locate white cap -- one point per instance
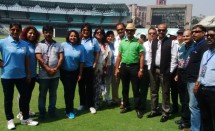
(173, 33)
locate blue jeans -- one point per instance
(45, 85)
(193, 105)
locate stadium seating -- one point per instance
(110, 20)
(38, 17)
(93, 19)
(76, 19)
(57, 18)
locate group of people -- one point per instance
(97, 61)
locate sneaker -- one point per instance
(80, 108)
(29, 122)
(71, 115)
(92, 110)
(19, 116)
(32, 113)
(10, 124)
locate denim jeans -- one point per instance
(193, 105)
(45, 85)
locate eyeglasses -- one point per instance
(196, 31)
(163, 30)
(130, 30)
(120, 29)
(210, 35)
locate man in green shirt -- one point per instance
(132, 62)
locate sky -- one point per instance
(204, 7)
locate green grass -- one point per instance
(106, 119)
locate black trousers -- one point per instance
(129, 73)
(174, 91)
(206, 100)
(86, 91)
(8, 89)
(183, 97)
(69, 80)
(31, 86)
(144, 86)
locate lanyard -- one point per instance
(209, 58)
(194, 48)
(47, 51)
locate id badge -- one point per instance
(204, 68)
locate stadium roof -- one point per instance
(67, 6)
(208, 21)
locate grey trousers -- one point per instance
(157, 79)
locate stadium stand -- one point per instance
(62, 15)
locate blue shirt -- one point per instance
(13, 55)
(32, 59)
(208, 78)
(73, 55)
(112, 53)
(91, 46)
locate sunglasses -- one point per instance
(130, 30)
(85, 30)
(196, 31)
(163, 30)
(98, 32)
(120, 29)
(210, 35)
(152, 33)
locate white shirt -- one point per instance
(147, 53)
(174, 53)
(116, 47)
(158, 54)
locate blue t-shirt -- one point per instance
(13, 55)
(32, 59)
(91, 46)
(73, 55)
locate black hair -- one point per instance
(200, 27)
(89, 28)
(103, 33)
(77, 35)
(48, 28)
(15, 24)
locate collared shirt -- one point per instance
(147, 53)
(158, 54)
(74, 54)
(208, 61)
(91, 46)
(32, 59)
(183, 55)
(130, 50)
(174, 53)
(13, 55)
(52, 52)
(116, 47)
